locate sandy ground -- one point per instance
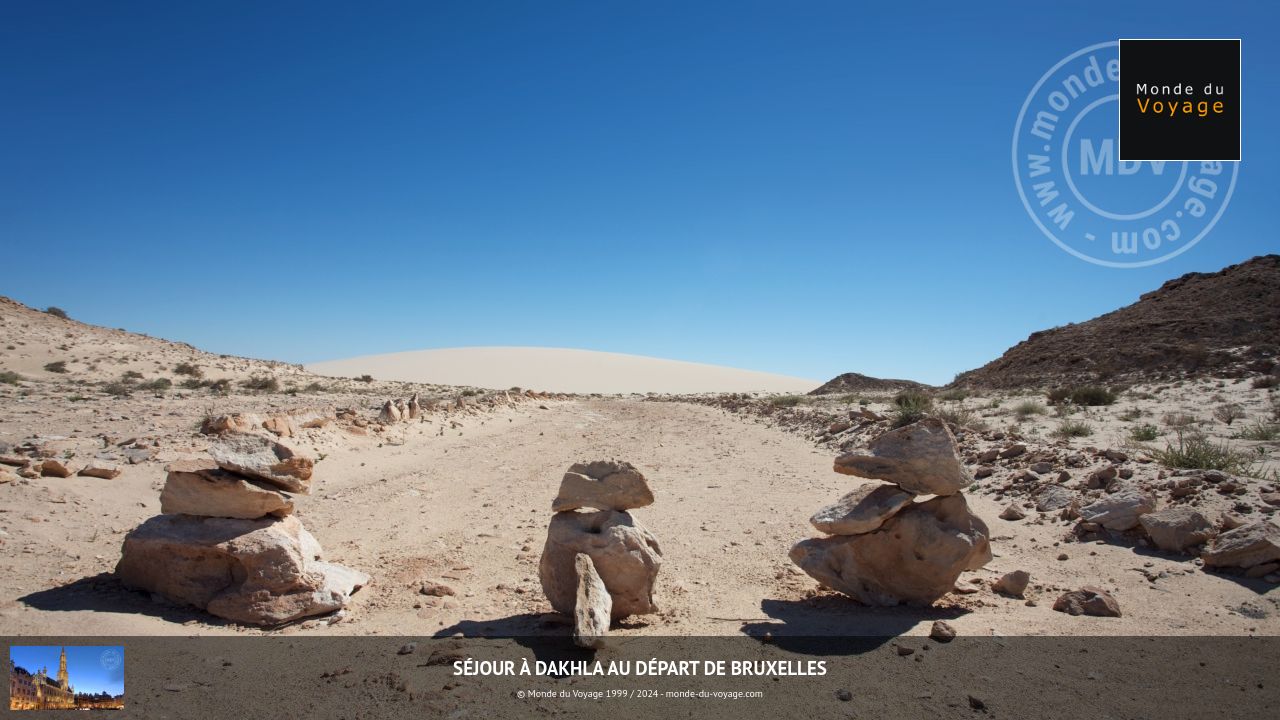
(560, 370)
(469, 508)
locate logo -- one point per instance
(1067, 167)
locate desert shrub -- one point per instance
(188, 369)
(57, 312)
(193, 384)
(1260, 430)
(469, 392)
(365, 378)
(994, 404)
(58, 366)
(1057, 396)
(131, 375)
(116, 388)
(1264, 382)
(1131, 414)
(221, 386)
(911, 406)
(315, 387)
(1195, 451)
(1228, 413)
(157, 385)
(1027, 408)
(786, 400)
(1073, 429)
(9, 377)
(261, 383)
(1145, 432)
(1092, 395)
(961, 416)
(954, 394)
(1179, 420)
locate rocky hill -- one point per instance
(857, 382)
(1223, 324)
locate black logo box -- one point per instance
(1187, 68)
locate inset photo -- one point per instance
(72, 677)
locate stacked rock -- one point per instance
(599, 563)
(886, 547)
(228, 543)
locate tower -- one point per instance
(63, 681)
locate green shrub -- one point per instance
(315, 387)
(1027, 408)
(954, 394)
(1092, 395)
(1179, 420)
(1073, 429)
(116, 388)
(1131, 414)
(1057, 396)
(9, 377)
(1194, 451)
(261, 383)
(58, 366)
(963, 417)
(1145, 432)
(57, 312)
(365, 378)
(132, 375)
(157, 385)
(1261, 430)
(1228, 413)
(911, 406)
(1264, 382)
(188, 369)
(786, 400)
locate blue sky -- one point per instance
(802, 188)
(85, 667)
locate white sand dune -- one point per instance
(559, 370)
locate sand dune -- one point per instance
(559, 370)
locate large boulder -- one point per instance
(257, 572)
(861, 511)
(1119, 511)
(1256, 543)
(200, 487)
(261, 457)
(919, 458)
(603, 485)
(593, 606)
(1177, 528)
(625, 555)
(915, 557)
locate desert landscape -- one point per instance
(1144, 482)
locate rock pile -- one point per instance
(399, 410)
(885, 546)
(228, 543)
(599, 563)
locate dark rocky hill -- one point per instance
(856, 382)
(1225, 323)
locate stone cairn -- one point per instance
(599, 564)
(400, 410)
(885, 547)
(228, 542)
